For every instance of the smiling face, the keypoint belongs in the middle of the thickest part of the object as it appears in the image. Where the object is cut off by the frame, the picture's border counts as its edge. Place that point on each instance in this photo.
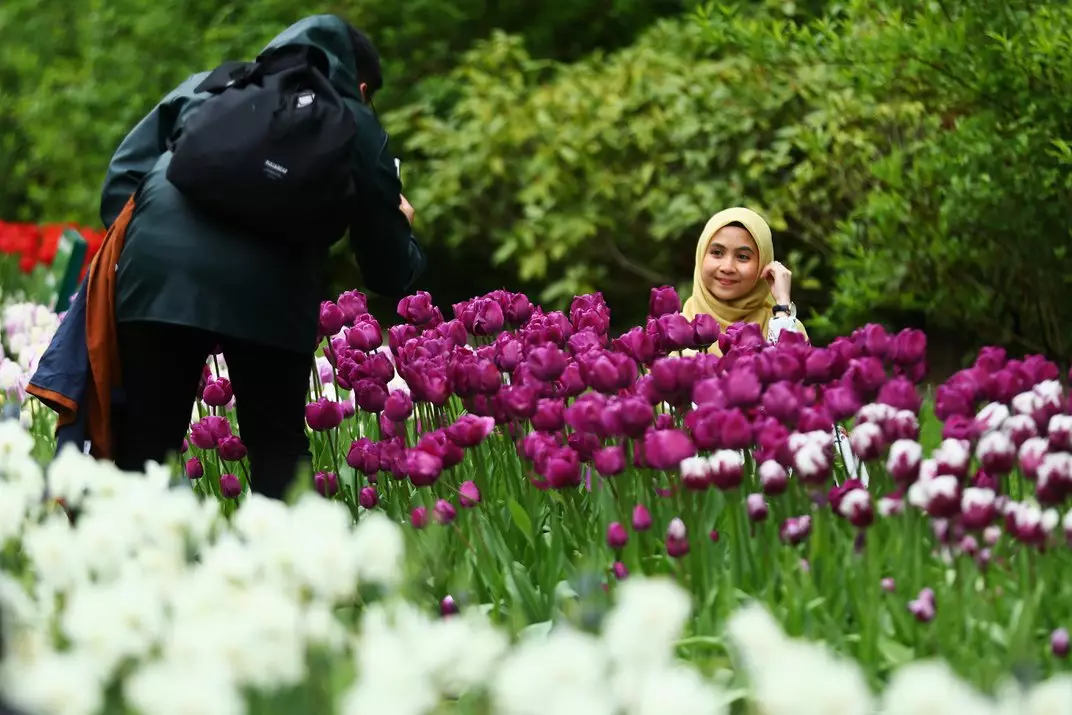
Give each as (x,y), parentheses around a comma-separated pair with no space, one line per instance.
(731,265)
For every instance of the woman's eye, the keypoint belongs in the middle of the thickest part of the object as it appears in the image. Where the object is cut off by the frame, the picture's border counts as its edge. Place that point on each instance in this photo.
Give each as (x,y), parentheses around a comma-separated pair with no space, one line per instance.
(744,258)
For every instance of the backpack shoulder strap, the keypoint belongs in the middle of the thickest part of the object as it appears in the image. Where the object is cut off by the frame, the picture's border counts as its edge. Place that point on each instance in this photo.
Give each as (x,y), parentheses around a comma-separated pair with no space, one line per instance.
(226,75)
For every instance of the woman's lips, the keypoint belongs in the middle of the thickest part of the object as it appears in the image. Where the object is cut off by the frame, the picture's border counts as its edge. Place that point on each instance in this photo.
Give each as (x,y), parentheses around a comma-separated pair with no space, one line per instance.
(726,283)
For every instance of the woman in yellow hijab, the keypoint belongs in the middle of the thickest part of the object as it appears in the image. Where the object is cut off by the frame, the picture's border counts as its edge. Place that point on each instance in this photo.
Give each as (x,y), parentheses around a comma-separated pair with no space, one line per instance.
(737,280)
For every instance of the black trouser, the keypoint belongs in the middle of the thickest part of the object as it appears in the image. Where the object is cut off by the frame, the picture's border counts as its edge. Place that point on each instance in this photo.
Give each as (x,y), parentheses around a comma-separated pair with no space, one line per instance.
(161,368)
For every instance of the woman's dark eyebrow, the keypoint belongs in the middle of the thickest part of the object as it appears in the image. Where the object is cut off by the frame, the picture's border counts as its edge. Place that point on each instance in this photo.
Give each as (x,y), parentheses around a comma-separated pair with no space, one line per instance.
(716,244)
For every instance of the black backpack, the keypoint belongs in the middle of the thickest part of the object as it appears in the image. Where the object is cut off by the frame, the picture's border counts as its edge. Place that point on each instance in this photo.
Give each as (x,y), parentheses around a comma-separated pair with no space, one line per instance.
(272,150)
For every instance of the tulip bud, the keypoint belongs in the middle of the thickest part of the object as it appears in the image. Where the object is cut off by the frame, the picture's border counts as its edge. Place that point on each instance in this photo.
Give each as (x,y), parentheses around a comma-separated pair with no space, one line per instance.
(368,498)
(726,469)
(332,318)
(398,406)
(327,484)
(617,536)
(609,461)
(230,486)
(1059,643)
(418,517)
(677,542)
(795,530)
(773,478)
(323,415)
(977,508)
(756,506)
(695,473)
(231,449)
(620,571)
(447,607)
(445,511)
(664,300)
(904,461)
(217,392)
(195,470)
(888,585)
(923,607)
(641,518)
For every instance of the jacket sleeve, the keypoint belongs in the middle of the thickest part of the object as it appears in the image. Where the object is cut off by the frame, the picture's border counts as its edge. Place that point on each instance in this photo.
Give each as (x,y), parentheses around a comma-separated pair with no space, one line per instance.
(140,150)
(381,237)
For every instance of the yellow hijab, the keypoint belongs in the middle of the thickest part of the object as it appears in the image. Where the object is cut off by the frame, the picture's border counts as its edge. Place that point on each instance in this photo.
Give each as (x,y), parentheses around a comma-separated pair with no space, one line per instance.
(753,307)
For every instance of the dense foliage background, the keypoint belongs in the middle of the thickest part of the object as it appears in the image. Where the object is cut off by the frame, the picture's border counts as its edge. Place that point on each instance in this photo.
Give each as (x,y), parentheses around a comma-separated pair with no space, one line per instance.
(915,158)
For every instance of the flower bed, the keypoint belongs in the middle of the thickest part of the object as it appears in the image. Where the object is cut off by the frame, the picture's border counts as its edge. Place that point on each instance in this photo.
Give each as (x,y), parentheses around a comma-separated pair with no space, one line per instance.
(539,465)
(27,251)
(153,603)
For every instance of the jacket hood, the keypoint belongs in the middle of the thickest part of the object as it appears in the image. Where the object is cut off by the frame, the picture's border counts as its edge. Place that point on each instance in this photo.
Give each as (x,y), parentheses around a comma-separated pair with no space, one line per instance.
(330,34)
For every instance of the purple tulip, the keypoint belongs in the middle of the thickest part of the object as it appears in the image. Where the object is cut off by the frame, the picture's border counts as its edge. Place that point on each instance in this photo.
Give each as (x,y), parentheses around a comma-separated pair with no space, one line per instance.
(444,511)
(470,430)
(398,406)
(1059,643)
(230,486)
(332,318)
(641,518)
(468,494)
(365,335)
(352,303)
(418,517)
(231,449)
(550,415)
(841,402)
(546,362)
(675,332)
(617,536)
(620,571)
(326,483)
(705,330)
(368,498)
(364,456)
(447,607)
(901,394)
(217,392)
(866,375)
(208,432)
(561,467)
(664,299)
(480,316)
(508,352)
(422,468)
(417,309)
(370,396)
(780,402)
(323,415)
(736,431)
(909,346)
(665,449)
(637,344)
(194,468)
(888,585)
(609,461)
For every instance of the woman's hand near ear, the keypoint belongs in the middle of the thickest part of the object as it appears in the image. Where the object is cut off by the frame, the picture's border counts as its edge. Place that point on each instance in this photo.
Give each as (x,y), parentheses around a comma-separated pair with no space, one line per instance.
(780,280)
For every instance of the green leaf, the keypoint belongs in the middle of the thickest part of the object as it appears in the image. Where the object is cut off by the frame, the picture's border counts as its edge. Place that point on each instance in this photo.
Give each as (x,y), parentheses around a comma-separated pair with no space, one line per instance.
(521,520)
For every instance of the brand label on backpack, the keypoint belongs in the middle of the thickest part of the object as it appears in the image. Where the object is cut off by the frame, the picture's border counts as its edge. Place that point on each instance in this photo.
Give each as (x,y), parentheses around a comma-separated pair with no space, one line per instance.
(274,170)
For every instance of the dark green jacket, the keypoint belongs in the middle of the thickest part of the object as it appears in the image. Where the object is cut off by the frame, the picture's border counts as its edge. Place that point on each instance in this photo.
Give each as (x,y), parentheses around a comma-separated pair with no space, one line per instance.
(182,267)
